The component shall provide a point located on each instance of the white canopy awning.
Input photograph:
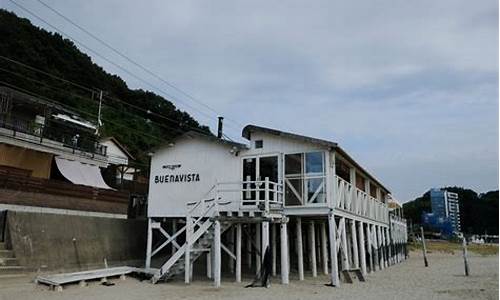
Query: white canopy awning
(81, 173)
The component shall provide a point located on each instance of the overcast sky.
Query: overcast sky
(409, 88)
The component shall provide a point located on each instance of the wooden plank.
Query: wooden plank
(65, 278)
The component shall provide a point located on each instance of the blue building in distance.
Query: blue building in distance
(445, 215)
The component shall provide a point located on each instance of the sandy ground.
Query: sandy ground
(443, 279)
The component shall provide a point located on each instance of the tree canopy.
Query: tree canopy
(139, 119)
(478, 212)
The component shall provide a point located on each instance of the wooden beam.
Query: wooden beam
(324, 248)
(312, 249)
(238, 252)
(300, 251)
(217, 253)
(284, 254)
(149, 244)
(332, 232)
(362, 252)
(355, 255)
(273, 247)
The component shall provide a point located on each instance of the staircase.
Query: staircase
(197, 249)
(201, 218)
(9, 266)
(349, 275)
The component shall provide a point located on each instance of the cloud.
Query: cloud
(409, 87)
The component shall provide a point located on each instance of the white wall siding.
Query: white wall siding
(209, 161)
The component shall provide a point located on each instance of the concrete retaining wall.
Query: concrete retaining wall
(63, 242)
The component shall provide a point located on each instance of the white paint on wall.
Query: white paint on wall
(191, 167)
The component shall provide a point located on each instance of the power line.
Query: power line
(106, 59)
(107, 105)
(93, 91)
(138, 133)
(132, 61)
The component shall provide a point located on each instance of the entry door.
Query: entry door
(257, 168)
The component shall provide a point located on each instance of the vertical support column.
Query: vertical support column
(369, 246)
(332, 236)
(345, 257)
(389, 244)
(209, 263)
(379, 244)
(284, 253)
(362, 253)
(375, 247)
(187, 253)
(217, 254)
(149, 244)
(312, 250)
(174, 230)
(355, 255)
(273, 247)
(238, 252)
(231, 245)
(300, 252)
(324, 248)
(265, 239)
(258, 255)
(249, 247)
(384, 240)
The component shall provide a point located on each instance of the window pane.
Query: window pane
(291, 195)
(293, 164)
(315, 185)
(314, 162)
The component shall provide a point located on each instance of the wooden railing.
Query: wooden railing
(16, 179)
(356, 201)
(256, 195)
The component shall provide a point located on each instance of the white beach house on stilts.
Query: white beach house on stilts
(217, 205)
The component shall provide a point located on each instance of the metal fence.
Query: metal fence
(72, 139)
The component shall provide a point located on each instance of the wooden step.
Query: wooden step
(348, 276)
(9, 262)
(6, 254)
(7, 270)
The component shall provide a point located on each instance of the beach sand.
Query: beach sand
(443, 279)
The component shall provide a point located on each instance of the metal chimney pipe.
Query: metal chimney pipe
(219, 128)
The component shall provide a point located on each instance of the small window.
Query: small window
(259, 144)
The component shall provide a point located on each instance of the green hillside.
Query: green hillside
(478, 212)
(137, 129)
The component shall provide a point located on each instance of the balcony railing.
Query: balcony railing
(356, 201)
(70, 139)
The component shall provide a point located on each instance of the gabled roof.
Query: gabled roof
(196, 134)
(119, 145)
(247, 132)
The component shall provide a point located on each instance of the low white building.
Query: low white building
(281, 191)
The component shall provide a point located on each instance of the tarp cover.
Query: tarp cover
(80, 173)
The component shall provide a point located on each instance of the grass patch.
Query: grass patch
(450, 247)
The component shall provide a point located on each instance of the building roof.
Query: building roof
(119, 145)
(212, 138)
(247, 131)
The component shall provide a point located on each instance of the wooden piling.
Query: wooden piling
(464, 253)
(424, 249)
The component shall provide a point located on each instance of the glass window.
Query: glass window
(315, 190)
(259, 144)
(293, 164)
(293, 191)
(315, 162)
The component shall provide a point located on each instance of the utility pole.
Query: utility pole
(99, 123)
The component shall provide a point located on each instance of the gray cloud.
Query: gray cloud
(410, 88)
